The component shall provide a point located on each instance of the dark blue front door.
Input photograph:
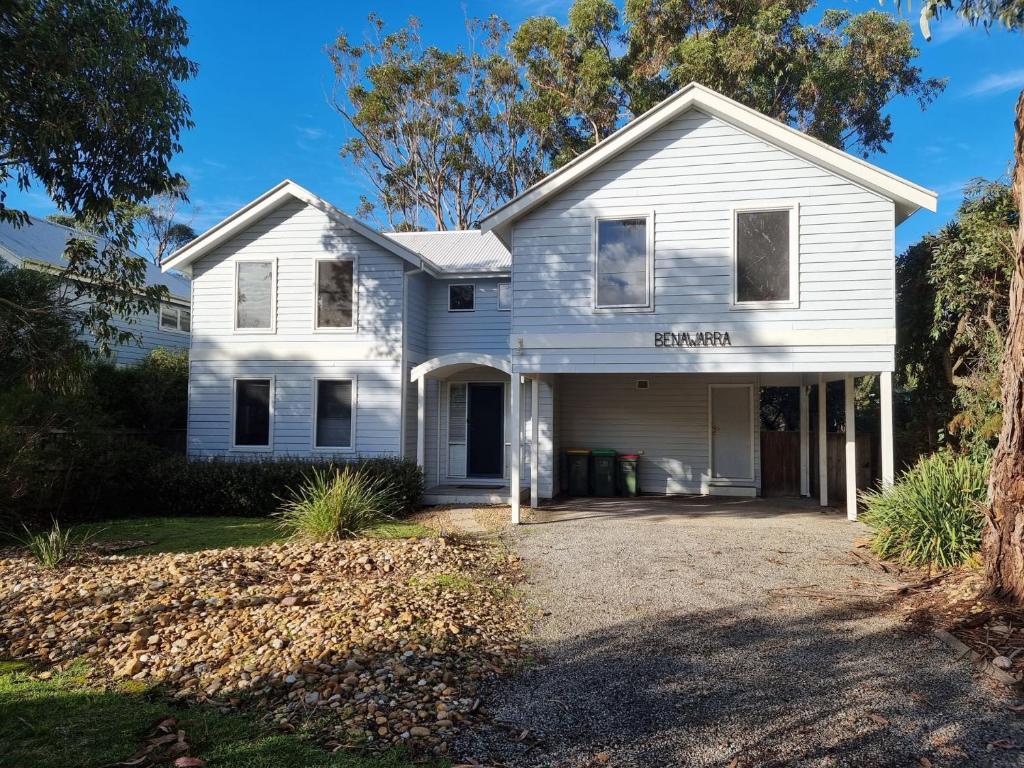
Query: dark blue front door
(486, 430)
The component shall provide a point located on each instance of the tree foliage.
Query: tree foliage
(160, 226)
(953, 294)
(90, 108)
(442, 136)
(445, 136)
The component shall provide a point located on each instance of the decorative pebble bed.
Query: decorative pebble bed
(368, 642)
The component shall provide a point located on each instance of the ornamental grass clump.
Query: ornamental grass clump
(339, 504)
(51, 548)
(933, 514)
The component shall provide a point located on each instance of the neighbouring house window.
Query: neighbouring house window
(334, 293)
(175, 318)
(254, 295)
(460, 298)
(765, 265)
(623, 263)
(333, 414)
(252, 412)
(504, 296)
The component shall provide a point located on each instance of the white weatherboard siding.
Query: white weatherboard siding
(668, 423)
(691, 174)
(485, 329)
(377, 394)
(151, 336)
(295, 235)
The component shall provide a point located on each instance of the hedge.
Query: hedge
(103, 481)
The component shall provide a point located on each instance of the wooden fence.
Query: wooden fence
(780, 464)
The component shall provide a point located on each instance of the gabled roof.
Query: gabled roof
(907, 196)
(462, 252)
(269, 201)
(42, 243)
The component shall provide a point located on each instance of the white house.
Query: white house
(635, 299)
(40, 244)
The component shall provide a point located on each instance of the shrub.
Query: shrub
(337, 505)
(95, 477)
(933, 514)
(254, 488)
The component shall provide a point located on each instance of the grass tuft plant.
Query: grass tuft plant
(933, 514)
(52, 548)
(337, 505)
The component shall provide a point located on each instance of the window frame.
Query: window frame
(498, 297)
(354, 381)
(234, 414)
(766, 206)
(461, 285)
(619, 215)
(177, 308)
(355, 295)
(273, 294)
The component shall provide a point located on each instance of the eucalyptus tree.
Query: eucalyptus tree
(441, 136)
(1003, 542)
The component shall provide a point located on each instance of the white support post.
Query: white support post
(851, 450)
(822, 441)
(421, 419)
(535, 442)
(888, 463)
(516, 447)
(805, 442)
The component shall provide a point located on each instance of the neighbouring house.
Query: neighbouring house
(635, 299)
(40, 244)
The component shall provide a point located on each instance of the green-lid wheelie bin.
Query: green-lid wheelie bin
(604, 471)
(578, 460)
(629, 483)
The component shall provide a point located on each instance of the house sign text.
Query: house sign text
(694, 339)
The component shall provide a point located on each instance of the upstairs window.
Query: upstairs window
(766, 265)
(252, 413)
(333, 413)
(505, 296)
(174, 318)
(622, 270)
(254, 295)
(461, 298)
(335, 293)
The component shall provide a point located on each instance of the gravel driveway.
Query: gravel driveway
(668, 640)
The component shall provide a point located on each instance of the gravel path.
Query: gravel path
(666, 642)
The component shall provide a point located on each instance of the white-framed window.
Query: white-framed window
(334, 409)
(766, 259)
(175, 318)
(252, 413)
(461, 297)
(624, 261)
(505, 297)
(335, 293)
(255, 295)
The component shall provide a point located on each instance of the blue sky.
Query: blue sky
(260, 101)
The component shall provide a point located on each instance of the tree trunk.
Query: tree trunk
(1003, 543)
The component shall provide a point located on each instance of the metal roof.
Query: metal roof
(464, 251)
(43, 241)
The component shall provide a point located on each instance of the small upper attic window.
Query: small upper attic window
(461, 298)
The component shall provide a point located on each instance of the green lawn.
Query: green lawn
(191, 534)
(62, 723)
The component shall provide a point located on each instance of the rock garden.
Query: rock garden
(366, 643)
